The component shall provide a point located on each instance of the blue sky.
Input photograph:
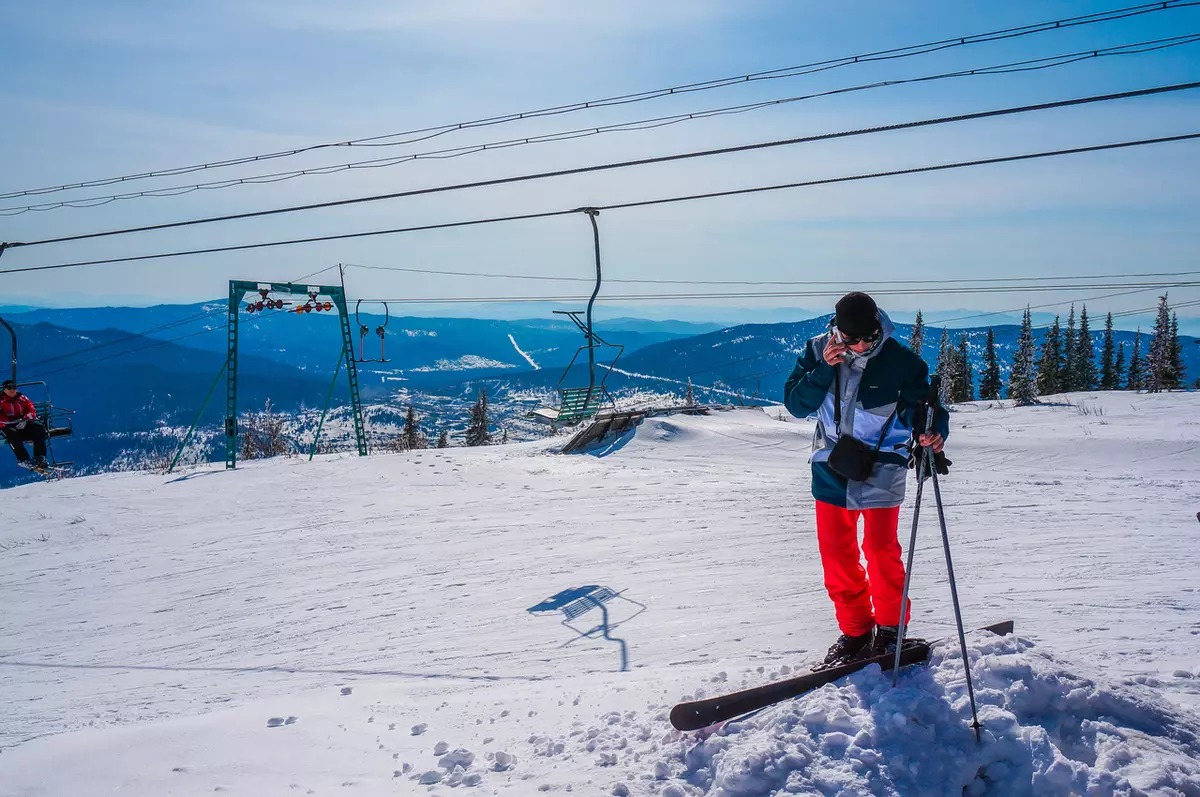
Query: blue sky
(93, 90)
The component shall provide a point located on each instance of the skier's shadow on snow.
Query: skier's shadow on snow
(575, 602)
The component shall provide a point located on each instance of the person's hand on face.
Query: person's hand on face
(835, 351)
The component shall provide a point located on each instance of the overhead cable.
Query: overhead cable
(608, 280)
(642, 124)
(1124, 95)
(426, 133)
(623, 205)
(131, 336)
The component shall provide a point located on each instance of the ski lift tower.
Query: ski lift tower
(319, 299)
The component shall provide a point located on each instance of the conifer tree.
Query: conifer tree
(1022, 385)
(963, 388)
(1119, 367)
(1158, 362)
(1137, 378)
(413, 438)
(1178, 369)
(1050, 364)
(1110, 372)
(1085, 355)
(989, 386)
(477, 426)
(1069, 376)
(916, 338)
(946, 367)
(690, 398)
(443, 440)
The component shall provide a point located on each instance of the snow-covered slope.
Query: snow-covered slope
(359, 626)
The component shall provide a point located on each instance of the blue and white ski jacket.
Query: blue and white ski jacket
(889, 376)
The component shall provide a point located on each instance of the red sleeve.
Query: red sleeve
(27, 410)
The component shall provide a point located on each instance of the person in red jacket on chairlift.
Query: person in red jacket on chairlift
(20, 425)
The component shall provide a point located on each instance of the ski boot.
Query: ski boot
(847, 649)
(885, 640)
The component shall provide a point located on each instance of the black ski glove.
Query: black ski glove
(941, 463)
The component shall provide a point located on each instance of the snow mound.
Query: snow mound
(738, 427)
(1046, 732)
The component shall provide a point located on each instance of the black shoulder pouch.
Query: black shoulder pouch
(850, 457)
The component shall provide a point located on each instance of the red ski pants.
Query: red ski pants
(861, 597)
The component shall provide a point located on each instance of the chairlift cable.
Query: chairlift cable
(1029, 65)
(695, 154)
(771, 74)
(625, 205)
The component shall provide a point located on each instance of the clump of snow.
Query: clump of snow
(502, 761)
(457, 758)
(1047, 732)
(420, 728)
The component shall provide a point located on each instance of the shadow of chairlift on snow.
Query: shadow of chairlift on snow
(574, 603)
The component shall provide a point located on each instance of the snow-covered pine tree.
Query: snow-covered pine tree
(1022, 386)
(1119, 367)
(1137, 368)
(1069, 376)
(947, 367)
(989, 386)
(1085, 355)
(690, 398)
(443, 440)
(963, 388)
(1050, 364)
(1179, 370)
(1158, 363)
(503, 435)
(916, 338)
(1110, 372)
(477, 426)
(414, 438)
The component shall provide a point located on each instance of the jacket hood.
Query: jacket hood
(887, 329)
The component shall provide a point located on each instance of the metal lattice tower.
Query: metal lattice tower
(337, 297)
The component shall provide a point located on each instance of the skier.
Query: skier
(866, 389)
(20, 423)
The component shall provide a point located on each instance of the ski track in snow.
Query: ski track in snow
(528, 359)
(297, 627)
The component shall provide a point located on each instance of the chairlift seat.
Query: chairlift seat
(45, 415)
(576, 404)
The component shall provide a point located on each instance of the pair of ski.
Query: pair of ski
(50, 472)
(702, 713)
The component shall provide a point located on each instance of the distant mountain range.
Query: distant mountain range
(137, 376)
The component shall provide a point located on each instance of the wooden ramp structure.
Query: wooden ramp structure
(613, 423)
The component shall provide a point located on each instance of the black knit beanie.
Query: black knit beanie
(857, 315)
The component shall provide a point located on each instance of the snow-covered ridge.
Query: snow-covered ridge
(465, 363)
(360, 625)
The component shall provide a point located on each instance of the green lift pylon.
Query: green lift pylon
(314, 293)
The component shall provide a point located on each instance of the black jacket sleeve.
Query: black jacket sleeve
(810, 380)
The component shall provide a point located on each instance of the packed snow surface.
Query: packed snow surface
(360, 626)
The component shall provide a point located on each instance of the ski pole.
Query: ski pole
(962, 638)
(923, 455)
